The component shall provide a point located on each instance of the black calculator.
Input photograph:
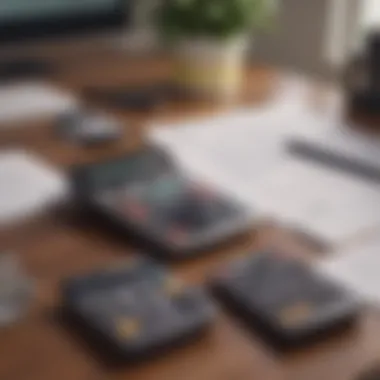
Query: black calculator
(137, 309)
(149, 197)
(283, 299)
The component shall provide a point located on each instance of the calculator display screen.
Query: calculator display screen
(131, 169)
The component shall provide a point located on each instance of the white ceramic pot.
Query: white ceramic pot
(211, 68)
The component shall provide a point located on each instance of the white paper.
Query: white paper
(27, 186)
(329, 206)
(240, 147)
(357, 269)
(246, 154)
(27, 101)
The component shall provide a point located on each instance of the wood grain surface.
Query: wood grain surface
(56, 245)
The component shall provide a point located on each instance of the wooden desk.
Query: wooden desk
(53, 247)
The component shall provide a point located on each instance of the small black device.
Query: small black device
(88, 127)
(136, 309)
(363, 80)
(367, 102)
(284, 299)
(373, 49)
(147, 195)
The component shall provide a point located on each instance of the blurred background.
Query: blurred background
(189, 122)
(332, 27)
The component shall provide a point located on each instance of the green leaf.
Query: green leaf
(215, 18)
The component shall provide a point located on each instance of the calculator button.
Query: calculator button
(178, 236)
(136, 211)
(173, 286)
(128, 328)
(296, 314)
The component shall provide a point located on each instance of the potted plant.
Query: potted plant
(210, 39)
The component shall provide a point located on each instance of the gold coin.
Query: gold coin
(128, 328)
(296, 314)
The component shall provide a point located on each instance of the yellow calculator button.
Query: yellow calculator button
(295, 314)
(128, 328)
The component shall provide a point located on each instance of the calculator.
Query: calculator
(147, 196)
(137, 309)
(283, 299)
